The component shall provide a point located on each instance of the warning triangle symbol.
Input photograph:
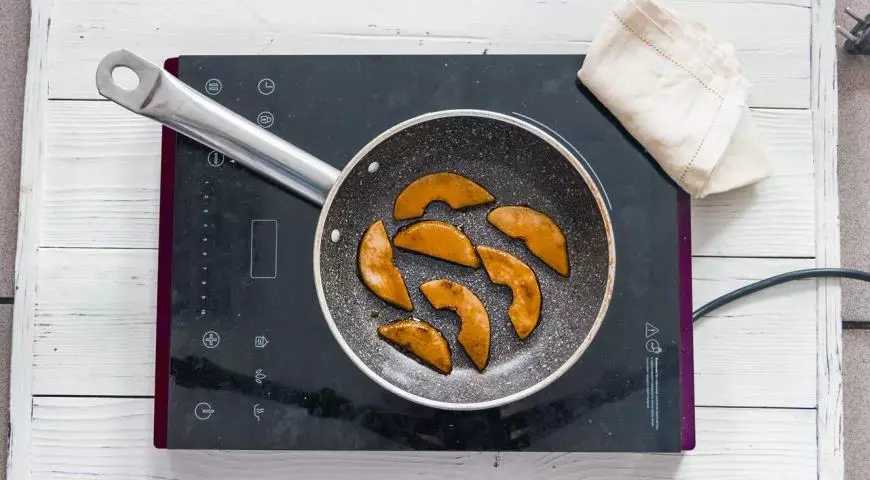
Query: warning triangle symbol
(651, 330)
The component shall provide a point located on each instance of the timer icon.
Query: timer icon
(266, 86)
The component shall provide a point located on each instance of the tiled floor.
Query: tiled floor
(854, 168)
(854, 172)
(14, 27)
(856, 400)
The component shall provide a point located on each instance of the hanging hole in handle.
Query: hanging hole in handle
(125, 77)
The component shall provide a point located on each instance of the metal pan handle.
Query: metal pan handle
(162, 97)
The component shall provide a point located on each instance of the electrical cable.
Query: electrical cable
(778, 280)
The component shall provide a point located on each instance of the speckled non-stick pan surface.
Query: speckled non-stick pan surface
(518, 164)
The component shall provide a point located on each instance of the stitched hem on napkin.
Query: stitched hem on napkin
(711, 67)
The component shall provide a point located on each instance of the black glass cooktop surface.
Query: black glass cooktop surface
(245, 359)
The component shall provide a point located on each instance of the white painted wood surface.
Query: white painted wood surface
(85, 438)
(26, 261)
(772, 38)
(767, 367)
(758, 352)
(830, 340)
(103, 168)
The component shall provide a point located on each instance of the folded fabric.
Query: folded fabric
(680, 93)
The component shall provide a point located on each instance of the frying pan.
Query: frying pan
(516, 161)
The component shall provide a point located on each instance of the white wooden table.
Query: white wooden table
(767, 368)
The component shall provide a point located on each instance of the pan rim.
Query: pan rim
(605, 302)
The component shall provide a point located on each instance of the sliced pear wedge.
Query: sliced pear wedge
(376, 268)
(439, 240)
(420, 340)
(506, 269)
(455, 190)
(539, 232)
(474, 330)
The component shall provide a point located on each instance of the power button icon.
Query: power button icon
(203, 411)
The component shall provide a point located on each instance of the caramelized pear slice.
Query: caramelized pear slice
(455, 190)
(506, 269)
(540, 233)
(474, 330)
(420, 340)
(376, 268)
(438, 239)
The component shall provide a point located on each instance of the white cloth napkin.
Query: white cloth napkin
(679, 93)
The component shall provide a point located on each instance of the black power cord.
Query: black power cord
(778, 280)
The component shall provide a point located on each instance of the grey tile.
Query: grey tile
(8, 233)
(5, 336)
(14, 31)
(854, 166)
(856, 402)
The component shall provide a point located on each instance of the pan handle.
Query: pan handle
(162, 97)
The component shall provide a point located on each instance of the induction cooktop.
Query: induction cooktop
(245, 359)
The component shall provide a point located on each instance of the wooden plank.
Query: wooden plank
(771, 218)
(102, 184)
(732, 342)
(94, 331)
(27, 253)
(103, 177)
(830, 341)
(95, 320)
(771, 37)
(77, 438)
